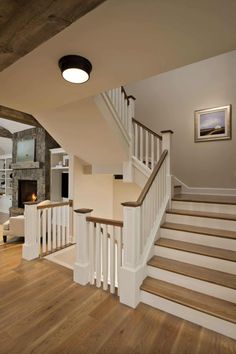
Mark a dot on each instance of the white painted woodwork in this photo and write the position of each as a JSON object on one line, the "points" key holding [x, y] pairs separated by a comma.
{"points": [[201, 286], [30, 248], [218, 242], [214, 323], [214, 223], [104, 255], [211, 207], [196, 259]]}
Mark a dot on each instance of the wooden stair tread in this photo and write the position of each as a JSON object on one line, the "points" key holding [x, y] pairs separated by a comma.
{"points": [[231, 200], [198, 249], [190, 298], [200, 230], [194, 271], [203, 214]]}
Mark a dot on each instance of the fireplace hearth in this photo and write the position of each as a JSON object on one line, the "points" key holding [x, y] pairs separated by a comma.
{"points": [[27, 192]]}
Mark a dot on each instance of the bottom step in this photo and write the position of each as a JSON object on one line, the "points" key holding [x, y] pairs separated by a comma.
{"points": [[207, 311]]}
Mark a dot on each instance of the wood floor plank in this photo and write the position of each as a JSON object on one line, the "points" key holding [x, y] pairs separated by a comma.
{"points": [[58, 316], [199, 230], [194, 271], [198, 249], [198, 301]]}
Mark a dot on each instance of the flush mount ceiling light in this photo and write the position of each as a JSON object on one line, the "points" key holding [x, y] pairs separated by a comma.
{"points": [[75, 68]]}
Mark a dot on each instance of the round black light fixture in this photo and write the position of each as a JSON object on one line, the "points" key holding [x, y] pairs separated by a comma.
{"points": [[75, 69]]}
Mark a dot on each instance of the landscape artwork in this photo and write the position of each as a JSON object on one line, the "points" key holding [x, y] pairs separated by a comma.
{"points": [[213, 124]]}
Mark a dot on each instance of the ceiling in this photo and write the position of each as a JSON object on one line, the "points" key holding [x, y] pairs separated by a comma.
{"points": [[126, 41]]}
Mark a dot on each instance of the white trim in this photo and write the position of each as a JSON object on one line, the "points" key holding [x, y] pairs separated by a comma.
{"points": [[208, 321], [205, 190], [141, 167]]}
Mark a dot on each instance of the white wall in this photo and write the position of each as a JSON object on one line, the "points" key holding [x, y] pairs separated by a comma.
{"points": [[168, 101]]}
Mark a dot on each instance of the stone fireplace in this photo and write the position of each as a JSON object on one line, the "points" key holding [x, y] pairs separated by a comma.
{"points": [[31, 178]]}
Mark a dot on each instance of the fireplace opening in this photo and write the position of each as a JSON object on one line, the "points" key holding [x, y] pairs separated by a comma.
{"points": [[27, 192]]}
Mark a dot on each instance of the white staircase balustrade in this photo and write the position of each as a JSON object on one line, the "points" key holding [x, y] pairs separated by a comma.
{"points": [[48, 228], [99, 251], [146, 145], [142, 220]]}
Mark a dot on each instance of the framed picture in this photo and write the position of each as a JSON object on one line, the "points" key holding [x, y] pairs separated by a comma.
{"points": [[25, 150], [212, 124]]}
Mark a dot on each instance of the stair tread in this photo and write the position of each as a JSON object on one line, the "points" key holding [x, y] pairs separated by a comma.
{"points": [[197, 248], [203, 214], [200, 230], [194, 271], [201, 198], [190, 298]]}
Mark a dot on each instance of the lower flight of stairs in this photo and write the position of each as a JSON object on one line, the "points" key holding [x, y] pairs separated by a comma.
{"points": [[193, 272]]}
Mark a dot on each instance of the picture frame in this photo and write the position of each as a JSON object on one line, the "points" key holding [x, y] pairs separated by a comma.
{"points": [[212, 124]]}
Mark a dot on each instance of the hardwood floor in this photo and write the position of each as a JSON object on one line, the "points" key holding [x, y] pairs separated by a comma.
{"points": [[43, 311]]}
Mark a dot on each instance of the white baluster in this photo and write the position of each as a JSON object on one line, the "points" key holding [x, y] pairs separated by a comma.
{"points": [[63, 223], [67, 225], [54, 230], [49, 227], [146, 148], [112, 260], [98, 255], [58, 223], [92, 236], [44, 216], [141, 144], [152, 151], [136, 140], [119, 256], [105, 257]]}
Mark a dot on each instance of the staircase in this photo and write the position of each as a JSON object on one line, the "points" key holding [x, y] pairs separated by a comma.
{"points": [[193, 271]]}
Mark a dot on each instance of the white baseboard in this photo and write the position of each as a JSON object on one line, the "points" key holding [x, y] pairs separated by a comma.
{"points": [[202, 190]]}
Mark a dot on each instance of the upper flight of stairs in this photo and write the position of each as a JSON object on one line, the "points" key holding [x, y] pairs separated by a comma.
{"points": [[193, 271]]}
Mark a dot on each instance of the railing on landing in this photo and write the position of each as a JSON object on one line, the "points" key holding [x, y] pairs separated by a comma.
{"points": [[145, 144], [48, 228]]}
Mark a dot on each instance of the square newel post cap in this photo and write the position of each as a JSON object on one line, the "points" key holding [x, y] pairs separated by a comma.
{"points": [[83, 211], [167, 131]]}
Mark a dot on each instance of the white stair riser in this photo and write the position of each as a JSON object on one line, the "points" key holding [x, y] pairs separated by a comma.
{"points": [[213, 241], [201, 286], [200, 221], [211, 207], [196, 259], [208, 321]]}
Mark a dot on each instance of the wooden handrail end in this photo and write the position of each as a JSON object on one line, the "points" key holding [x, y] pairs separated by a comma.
{"points": [[131, 204], [104, 221], [167, 131], [83, 211]]}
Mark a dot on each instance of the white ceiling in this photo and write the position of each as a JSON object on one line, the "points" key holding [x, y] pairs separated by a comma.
{"points": [[126, 41]]}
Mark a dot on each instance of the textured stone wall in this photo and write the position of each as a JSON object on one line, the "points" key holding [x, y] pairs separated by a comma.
{"points": [[43, 142]]}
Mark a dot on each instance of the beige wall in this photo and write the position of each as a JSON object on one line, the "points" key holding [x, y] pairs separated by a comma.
{"points": [[168, 101], [101, 192], [93, 192], [123, 192]]}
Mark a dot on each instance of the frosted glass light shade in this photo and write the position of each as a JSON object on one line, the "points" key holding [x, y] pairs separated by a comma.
{"points": [[75, 69]]}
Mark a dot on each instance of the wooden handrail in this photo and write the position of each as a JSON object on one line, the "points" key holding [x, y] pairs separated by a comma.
{"points": [[52, 205], [126, 96], [148, 185], [105, 221], [146, 128]]}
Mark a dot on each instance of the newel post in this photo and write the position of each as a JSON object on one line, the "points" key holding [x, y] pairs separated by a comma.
{"points": [[81, 267], [166, 145], [30, 248], [131, 271]]}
